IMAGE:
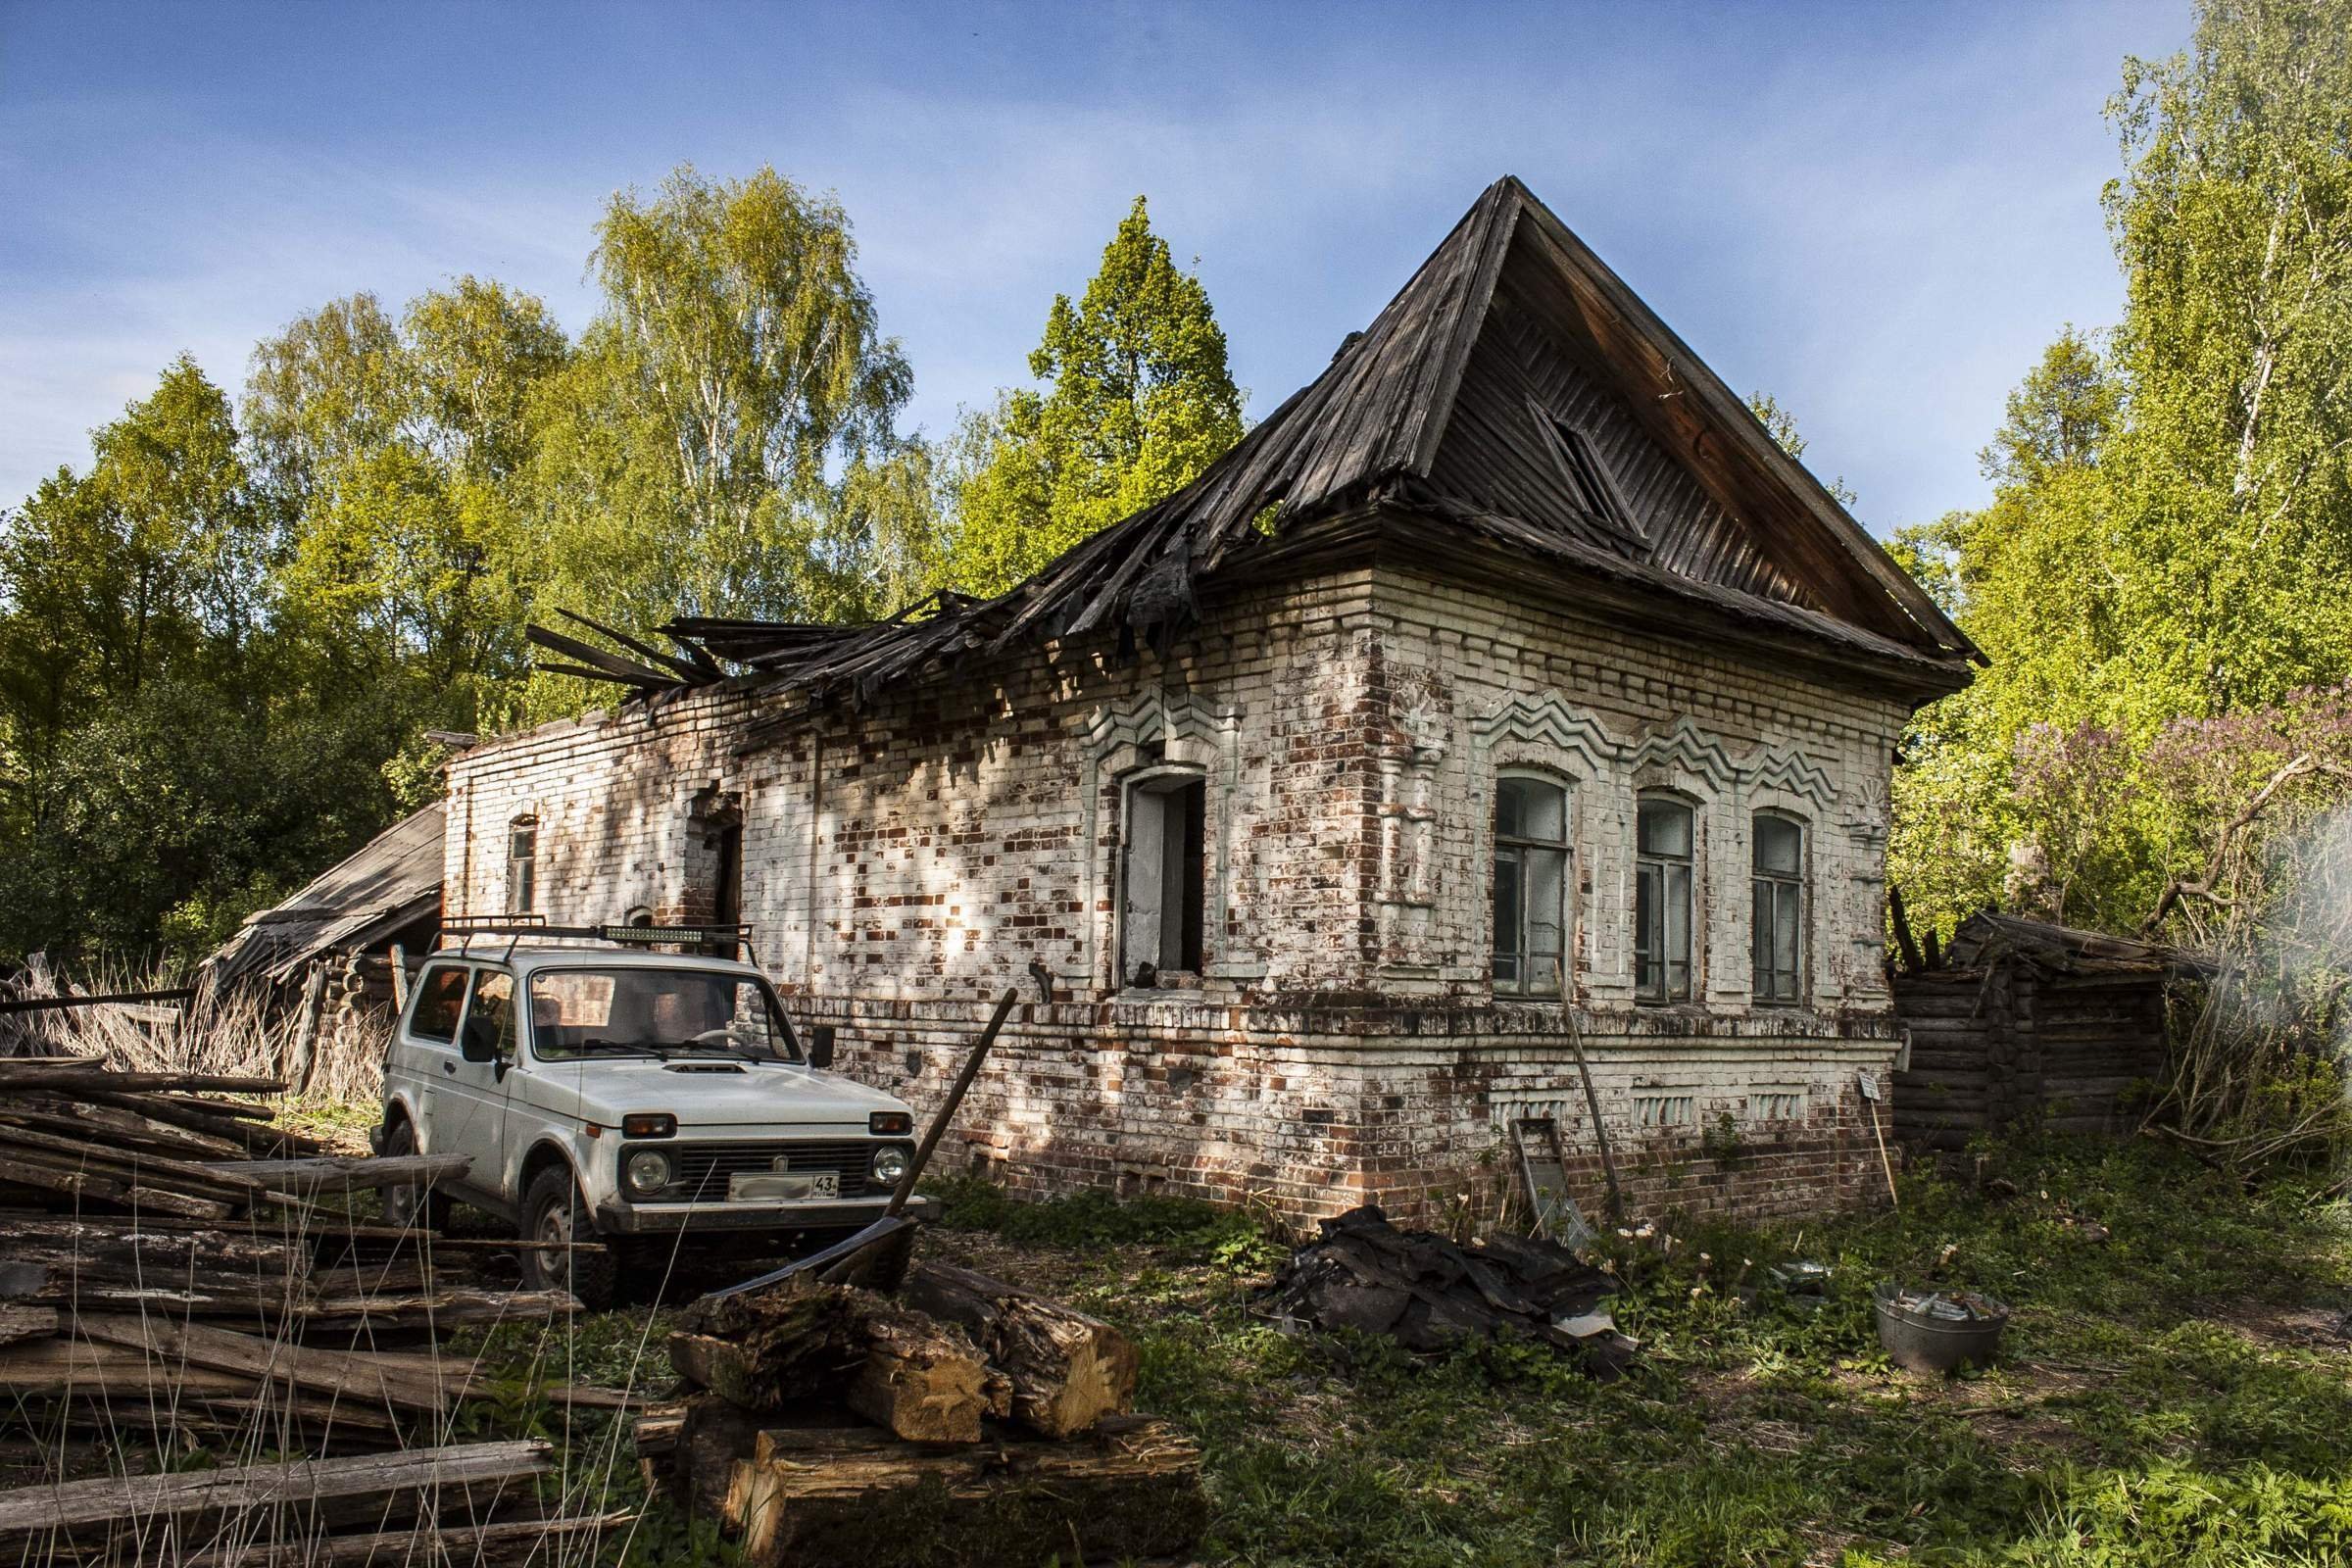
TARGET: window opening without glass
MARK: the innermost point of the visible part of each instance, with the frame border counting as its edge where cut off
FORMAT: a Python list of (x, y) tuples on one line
[(1165, 876)]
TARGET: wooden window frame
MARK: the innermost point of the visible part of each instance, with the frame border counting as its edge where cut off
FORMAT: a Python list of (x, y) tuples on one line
[(1654, 881), (1766, 908), (1519, 851)]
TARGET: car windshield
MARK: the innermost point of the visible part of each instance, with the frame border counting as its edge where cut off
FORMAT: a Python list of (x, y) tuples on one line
[(578, 1013)]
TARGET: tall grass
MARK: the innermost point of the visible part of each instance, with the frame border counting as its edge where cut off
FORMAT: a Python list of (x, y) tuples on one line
[(247, 1032)]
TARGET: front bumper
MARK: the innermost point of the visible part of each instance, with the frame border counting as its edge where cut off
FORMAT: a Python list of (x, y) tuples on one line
[(823, 1214)]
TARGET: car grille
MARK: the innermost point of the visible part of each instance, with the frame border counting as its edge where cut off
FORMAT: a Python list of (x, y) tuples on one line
[(704, 1168)]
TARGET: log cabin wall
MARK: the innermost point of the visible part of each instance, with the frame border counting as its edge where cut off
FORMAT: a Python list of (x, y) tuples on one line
[(2014, 1046)]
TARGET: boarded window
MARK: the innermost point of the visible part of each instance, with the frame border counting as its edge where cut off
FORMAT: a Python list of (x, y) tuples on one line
[(1662, 904), (1164, 877), (1776, 942), (1530, 886)]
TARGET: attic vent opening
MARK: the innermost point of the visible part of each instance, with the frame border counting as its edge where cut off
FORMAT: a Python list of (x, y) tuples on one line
[(1589, 477)]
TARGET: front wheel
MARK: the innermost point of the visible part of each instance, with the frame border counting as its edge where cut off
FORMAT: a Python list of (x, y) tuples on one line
[(567, 1258), (414, 1205)]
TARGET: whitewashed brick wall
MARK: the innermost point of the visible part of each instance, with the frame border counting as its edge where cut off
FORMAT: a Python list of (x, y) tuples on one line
[(903, 865)]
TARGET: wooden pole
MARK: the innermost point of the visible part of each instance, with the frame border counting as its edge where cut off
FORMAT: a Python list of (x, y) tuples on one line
[(1600, 1133), (305, 1037), (947, 1110), (1871, 1099), (400, 981)]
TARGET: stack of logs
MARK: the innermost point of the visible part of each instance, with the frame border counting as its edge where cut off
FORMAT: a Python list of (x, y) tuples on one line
[(1000, 1428), (175, 1276)]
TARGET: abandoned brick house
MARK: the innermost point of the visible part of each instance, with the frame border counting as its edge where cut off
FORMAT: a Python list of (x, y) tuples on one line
[(1506, 686)]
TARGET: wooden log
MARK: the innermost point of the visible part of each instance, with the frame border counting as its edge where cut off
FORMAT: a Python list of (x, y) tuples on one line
[(436, 1308), (14, 1076), (69, 1188), (116, 1128), (26, 1323), (343, 1374), (258, 1138), (307, 1178), (1129, 1489), (151, 1516), (431, 1545), (762, 1348), (191, 1177), (1068, 1370), (93, 1262), (925, 1379)]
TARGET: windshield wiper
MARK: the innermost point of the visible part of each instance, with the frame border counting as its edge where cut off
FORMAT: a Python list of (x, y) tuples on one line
[(634, 1047)]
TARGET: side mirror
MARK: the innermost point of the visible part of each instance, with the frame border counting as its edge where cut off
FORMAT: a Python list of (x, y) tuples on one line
[(820, 1046), (480, 1041)]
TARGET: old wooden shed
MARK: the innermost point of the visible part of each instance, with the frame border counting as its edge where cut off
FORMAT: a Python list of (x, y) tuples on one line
[(2028, 1025)]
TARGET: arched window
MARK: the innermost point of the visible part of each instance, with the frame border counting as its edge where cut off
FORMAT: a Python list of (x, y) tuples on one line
[(1776, 942), (1530, 886), (1664, 855)]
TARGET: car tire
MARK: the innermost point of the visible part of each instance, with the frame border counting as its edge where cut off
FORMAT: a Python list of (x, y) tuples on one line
[(552, 1211), (417, 1206)]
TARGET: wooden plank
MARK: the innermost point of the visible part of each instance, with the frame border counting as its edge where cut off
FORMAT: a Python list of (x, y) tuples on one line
[(129, 1506), (518, 1542), (340, 1373), (73, 1080), (309, 1178)]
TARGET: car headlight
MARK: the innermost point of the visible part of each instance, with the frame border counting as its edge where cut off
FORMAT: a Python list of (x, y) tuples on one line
[(647, 1171), (890, 1165)]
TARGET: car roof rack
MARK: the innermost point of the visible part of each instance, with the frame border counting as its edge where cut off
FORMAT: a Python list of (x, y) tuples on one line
[(724, 940)]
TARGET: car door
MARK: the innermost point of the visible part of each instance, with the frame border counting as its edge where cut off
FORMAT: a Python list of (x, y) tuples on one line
[(455, 1093), (485, 1051)]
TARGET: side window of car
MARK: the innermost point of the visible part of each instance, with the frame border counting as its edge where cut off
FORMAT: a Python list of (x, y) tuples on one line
[(440, 998), (490, 1021)]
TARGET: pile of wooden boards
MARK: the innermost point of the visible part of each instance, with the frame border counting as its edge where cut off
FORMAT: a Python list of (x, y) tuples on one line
[(998, 1428), (179, 1276), (1429, 1293)]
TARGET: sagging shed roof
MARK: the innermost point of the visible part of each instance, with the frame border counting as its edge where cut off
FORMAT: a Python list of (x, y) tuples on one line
[(392, 881), (1515, 390)]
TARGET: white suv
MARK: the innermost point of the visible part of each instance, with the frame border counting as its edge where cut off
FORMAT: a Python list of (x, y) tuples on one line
[(638, 1098)]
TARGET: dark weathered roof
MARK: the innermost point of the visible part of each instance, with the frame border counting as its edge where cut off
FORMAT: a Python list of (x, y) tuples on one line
[(1990, 938), (393, 881), (1512, 362)]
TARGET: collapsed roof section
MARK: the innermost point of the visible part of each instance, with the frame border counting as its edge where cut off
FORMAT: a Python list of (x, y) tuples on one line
[(392, 882), (1515, 392)]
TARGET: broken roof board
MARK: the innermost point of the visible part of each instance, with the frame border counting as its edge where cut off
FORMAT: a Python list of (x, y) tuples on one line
[(1749, 526), (392, 881)]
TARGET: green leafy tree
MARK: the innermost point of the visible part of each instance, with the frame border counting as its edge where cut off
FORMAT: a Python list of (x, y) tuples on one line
[(1780, 425), (725, 442), (1139, 402), (2171, 520)]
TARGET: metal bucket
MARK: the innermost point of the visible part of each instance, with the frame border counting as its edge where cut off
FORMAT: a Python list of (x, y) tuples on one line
[(1924, 1342)]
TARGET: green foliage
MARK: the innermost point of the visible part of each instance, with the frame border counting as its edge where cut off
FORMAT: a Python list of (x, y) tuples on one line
[(1139, 402), (1780, 425), (221, 646), (2171, 520), (2137, 1416)]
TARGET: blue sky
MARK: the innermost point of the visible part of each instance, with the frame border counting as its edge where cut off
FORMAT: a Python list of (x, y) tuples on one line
[(1879, 213)]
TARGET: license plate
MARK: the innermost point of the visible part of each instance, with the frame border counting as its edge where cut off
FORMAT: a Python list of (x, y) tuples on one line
[(783, 1187)]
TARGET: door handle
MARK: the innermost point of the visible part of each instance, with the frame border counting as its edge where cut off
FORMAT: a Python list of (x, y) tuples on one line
[(450, 1067)]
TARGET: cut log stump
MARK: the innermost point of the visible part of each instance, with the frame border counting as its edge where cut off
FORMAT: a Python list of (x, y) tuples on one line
[(1068, 1370), (858, 1498)]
